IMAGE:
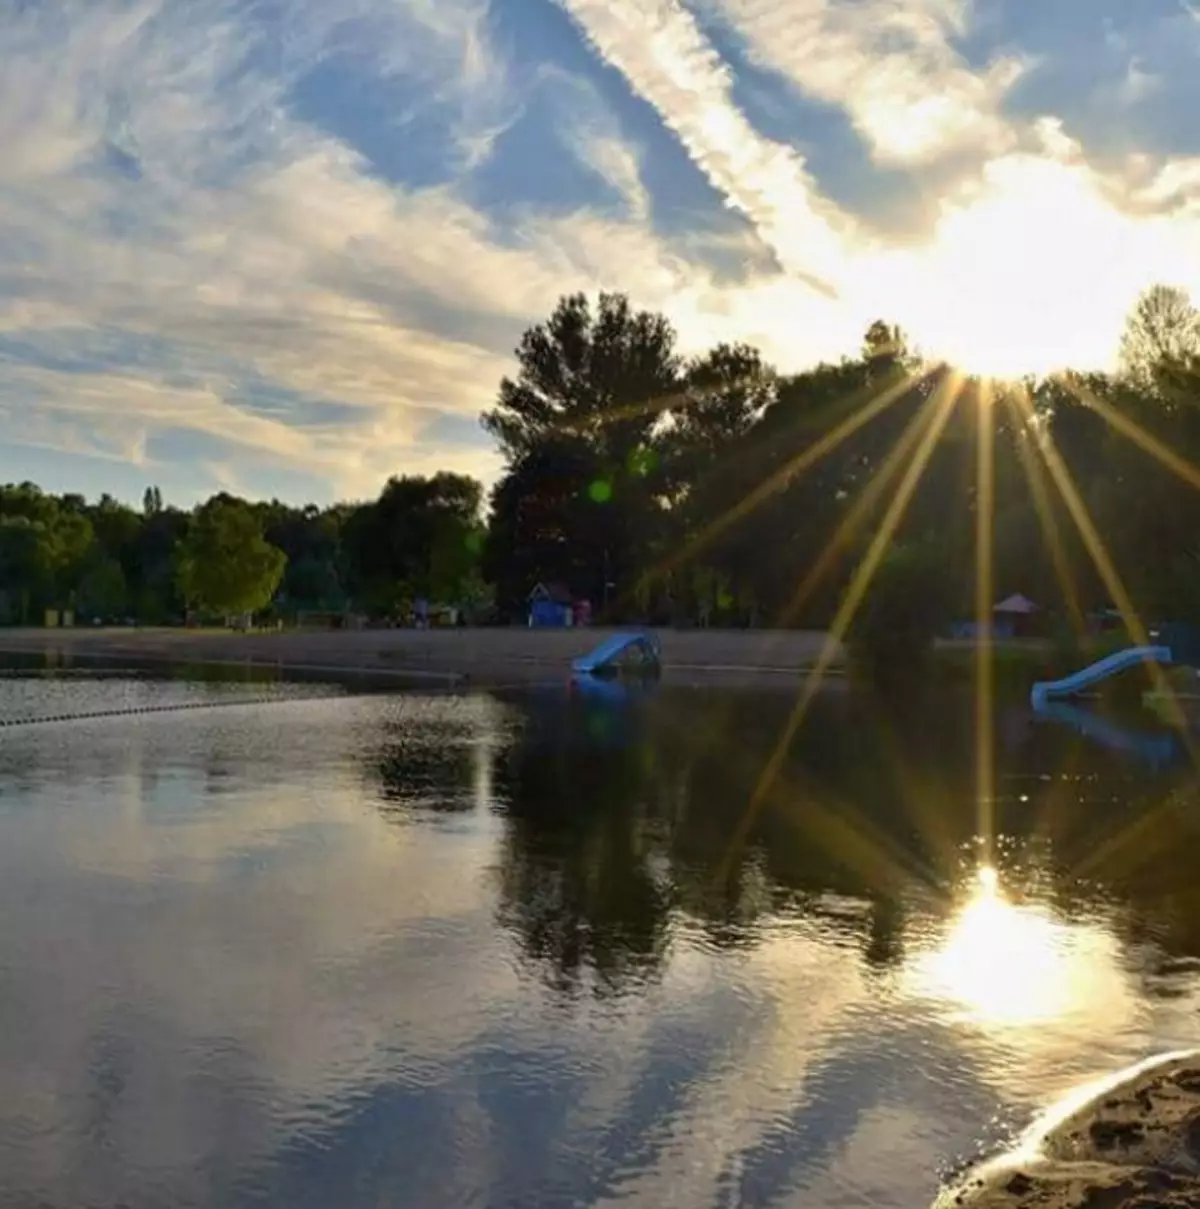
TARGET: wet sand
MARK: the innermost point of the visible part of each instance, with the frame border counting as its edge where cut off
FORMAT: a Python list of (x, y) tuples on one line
[(1129, 1141), (483, 656)]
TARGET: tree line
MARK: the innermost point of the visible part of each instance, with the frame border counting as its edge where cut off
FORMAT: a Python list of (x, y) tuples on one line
[(676, 489), (422, 537), (715, 487)]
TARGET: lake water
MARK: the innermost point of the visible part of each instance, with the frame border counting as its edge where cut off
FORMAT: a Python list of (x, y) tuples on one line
[(529, 949)]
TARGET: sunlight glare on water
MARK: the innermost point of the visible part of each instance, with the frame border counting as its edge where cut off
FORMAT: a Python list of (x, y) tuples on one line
[(1012, 965)]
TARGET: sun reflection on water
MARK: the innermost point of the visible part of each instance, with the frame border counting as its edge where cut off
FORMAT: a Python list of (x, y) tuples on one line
[(1007, 964)]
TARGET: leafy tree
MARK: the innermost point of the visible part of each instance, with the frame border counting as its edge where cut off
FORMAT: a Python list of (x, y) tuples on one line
[(1161, 339), (225, 565), (663, 486), (55, 538), (594, 387), (782, 547), (605, 377), (727, 392), (25, 562), (70, 540), (911, 597), (150, 567), (885, 348), (420, 538), (310, 537), (543, 525), (103, 592)]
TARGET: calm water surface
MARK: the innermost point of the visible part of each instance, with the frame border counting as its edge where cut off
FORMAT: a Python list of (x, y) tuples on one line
[(531, 950)]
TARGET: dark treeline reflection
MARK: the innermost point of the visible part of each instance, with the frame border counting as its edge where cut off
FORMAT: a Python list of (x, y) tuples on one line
[(626, 818)]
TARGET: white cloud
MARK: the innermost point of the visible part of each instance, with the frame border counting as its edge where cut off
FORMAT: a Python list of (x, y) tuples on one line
[(661, 50), (246, 241), (115, 415), (892, 67), (1034, 267), (1054, 140), (171, 227), (1175, 184), (158, 186), (585, 124), (1138, 83), (1032, 260)]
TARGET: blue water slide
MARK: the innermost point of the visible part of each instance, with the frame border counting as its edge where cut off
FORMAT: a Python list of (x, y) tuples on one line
[(1156, 750), (1048, 690), (605, 656)]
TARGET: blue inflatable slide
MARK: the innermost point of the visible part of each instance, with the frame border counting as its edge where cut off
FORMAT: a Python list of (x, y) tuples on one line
[(639, 648), (1102, 669)]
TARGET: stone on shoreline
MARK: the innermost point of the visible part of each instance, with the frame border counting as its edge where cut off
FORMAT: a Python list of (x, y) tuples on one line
[(1131, 1141)]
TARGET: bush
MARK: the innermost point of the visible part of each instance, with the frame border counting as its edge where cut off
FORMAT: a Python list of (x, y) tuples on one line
[(910, 600), (1066, 653)]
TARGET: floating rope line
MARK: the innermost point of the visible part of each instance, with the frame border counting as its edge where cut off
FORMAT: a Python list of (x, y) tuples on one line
[(175, 707)]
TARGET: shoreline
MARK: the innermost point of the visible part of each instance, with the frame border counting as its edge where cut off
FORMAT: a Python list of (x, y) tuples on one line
[(480, 658)]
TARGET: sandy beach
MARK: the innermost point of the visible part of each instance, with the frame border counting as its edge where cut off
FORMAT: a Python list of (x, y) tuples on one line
[(482, 656)]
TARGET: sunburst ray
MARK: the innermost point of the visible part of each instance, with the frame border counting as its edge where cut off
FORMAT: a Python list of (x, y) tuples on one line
[(985, 517), (1102, 560), (1146, 442), (1035, 477), (791, 469), (863, 506), (946, 395)]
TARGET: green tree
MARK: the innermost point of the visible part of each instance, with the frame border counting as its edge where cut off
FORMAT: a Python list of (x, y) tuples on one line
[(419, 538), (224, 565), (103, 592), (1162, 339), (71, 541), (606, 376), (726, 393), (150, 566), (544, 525), (911, 597), (789, 505), (593, 389), (25, 567), (59, 529), (310, 537)]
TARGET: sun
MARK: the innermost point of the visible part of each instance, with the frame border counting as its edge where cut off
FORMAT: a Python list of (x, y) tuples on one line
[(1031, 271)]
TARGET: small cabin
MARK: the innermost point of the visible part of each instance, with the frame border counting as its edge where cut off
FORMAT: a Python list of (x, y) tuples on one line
[(1016, 617), (551, 605)]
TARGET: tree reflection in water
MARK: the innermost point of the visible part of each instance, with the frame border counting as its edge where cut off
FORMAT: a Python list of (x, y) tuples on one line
[(624, 824), (581, 877), (427, 756)]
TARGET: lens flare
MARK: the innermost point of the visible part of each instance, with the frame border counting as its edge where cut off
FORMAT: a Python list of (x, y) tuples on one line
[(1005, 965)]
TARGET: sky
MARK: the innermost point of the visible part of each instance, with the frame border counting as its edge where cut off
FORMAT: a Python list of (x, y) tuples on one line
[(286, 247)]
